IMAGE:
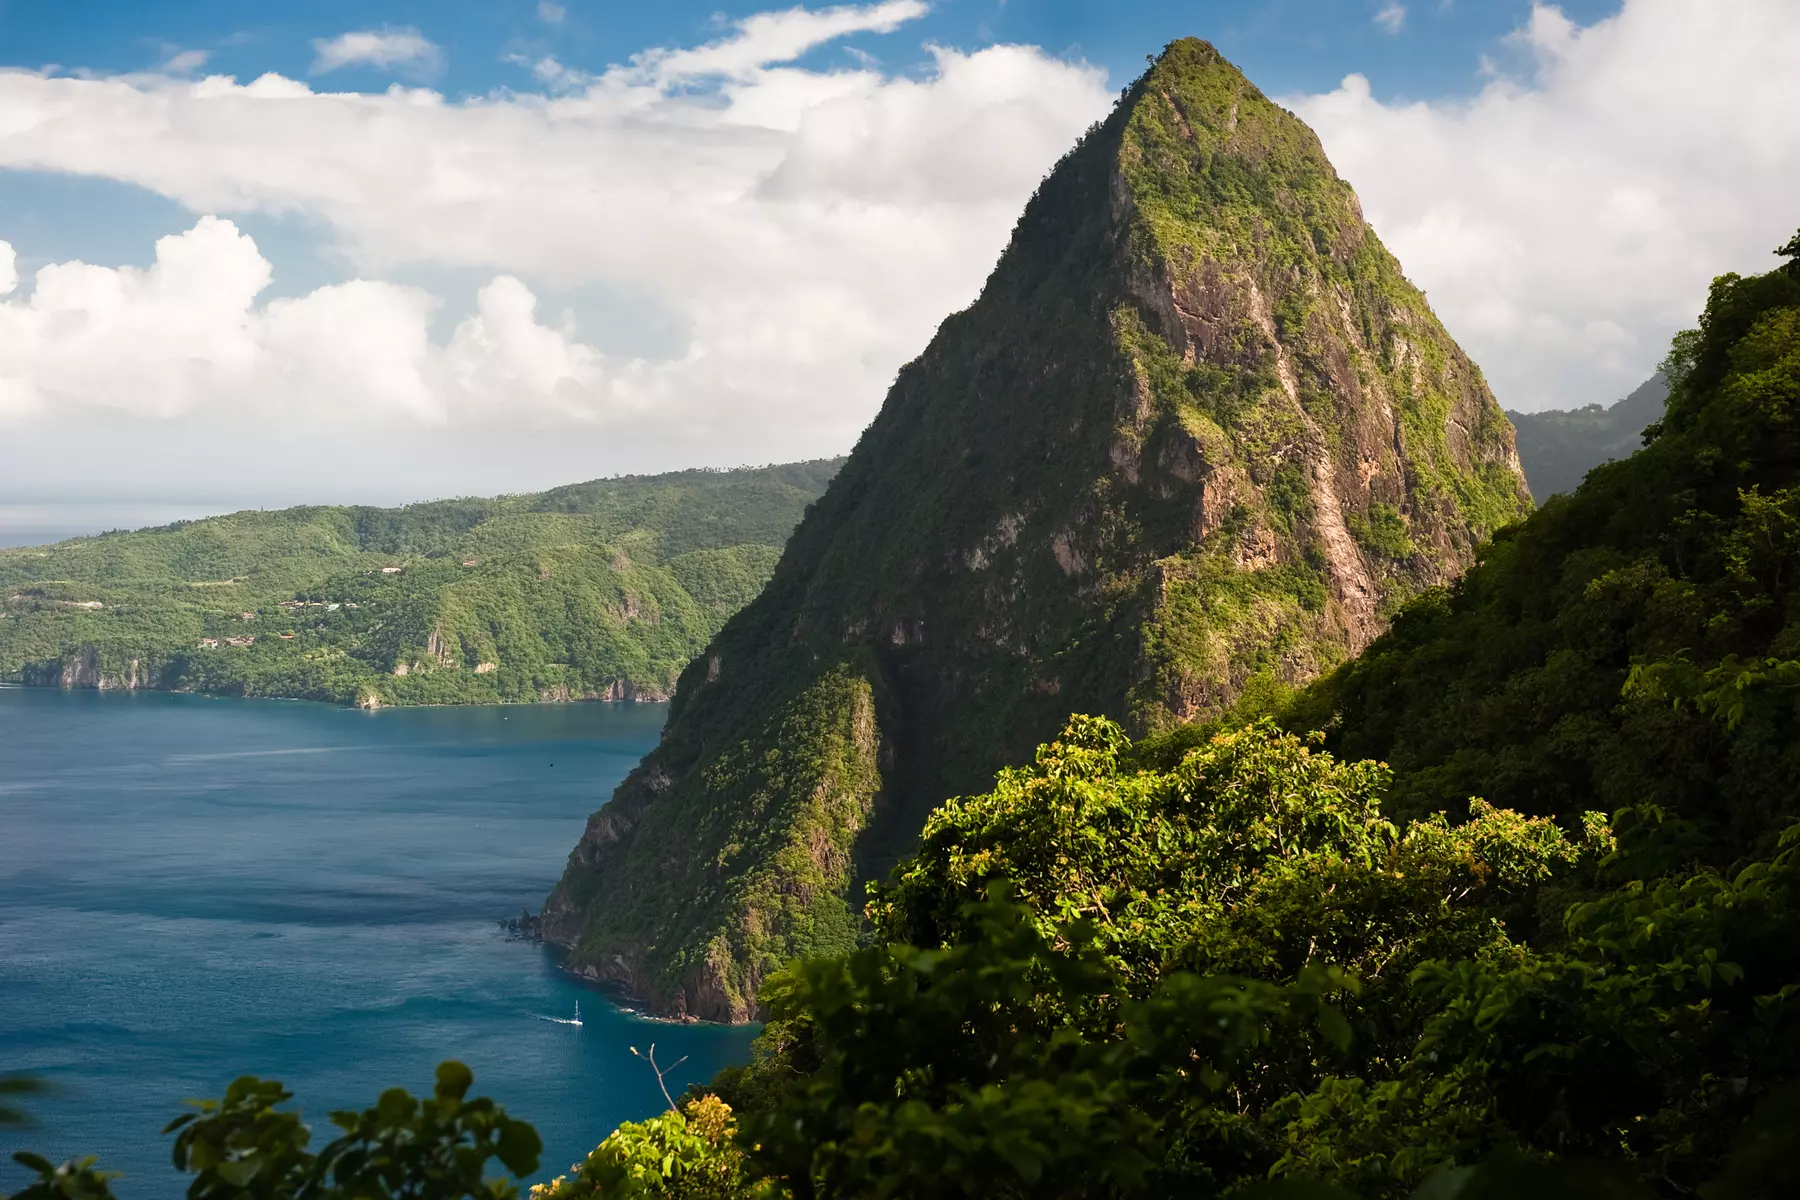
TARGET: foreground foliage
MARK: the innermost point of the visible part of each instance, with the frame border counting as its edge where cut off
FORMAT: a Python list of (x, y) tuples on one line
[(244, 1147), (1111, 981)]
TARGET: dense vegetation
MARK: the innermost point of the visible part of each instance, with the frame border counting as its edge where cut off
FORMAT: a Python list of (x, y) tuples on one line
[(601, 589), (246, 1147), (1196, 431), (1558, 447), (1634, 642)]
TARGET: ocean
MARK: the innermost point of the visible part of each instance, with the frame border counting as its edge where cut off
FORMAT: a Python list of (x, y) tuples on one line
[(194, 888)]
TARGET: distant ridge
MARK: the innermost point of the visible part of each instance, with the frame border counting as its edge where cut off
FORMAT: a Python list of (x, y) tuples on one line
[(1198, 431), (604, 589), (1560, 446)]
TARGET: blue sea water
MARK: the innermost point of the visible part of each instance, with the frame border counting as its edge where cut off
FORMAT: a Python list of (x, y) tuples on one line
[(196, 888)]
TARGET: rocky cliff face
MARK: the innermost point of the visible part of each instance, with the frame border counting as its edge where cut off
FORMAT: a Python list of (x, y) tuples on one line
[(89, 667), (1197, 429)]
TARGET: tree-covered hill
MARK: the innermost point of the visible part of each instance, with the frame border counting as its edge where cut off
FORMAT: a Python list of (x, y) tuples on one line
[(1632, 642), (1197, 429), (599, 589), (1560, 446)]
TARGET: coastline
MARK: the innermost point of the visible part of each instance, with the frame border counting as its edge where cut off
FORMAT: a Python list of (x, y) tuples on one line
[(354, 705)]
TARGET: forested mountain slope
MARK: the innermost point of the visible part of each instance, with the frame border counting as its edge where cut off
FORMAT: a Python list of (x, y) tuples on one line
[(1586, 661), (1197, 430), (1560, 446), (603, 589)]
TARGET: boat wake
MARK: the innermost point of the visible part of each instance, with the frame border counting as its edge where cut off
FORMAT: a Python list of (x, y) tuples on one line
[(574, 1020)]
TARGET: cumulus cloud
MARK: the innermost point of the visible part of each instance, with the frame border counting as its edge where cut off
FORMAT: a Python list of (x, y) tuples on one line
[(806, 229), (1566, 220), (407, 48), (186, 336)]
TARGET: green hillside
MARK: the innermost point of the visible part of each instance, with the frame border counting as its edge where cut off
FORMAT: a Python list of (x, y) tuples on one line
[(1586, 661), (1197, 432), (597, 590)]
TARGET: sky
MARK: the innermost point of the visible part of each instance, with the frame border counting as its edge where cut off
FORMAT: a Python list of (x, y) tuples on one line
[(376, 252)]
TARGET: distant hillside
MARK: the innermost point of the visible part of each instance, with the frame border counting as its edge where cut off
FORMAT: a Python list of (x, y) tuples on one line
[(1557, 448), (596, 590)]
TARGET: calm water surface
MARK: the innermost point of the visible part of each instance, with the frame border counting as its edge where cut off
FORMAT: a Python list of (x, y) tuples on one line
[(194, 888)]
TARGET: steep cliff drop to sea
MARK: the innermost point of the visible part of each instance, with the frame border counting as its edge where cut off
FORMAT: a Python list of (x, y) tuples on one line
[(1198, 430)]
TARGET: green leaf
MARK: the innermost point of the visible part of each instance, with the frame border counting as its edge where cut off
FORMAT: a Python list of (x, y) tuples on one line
[(453, 1080)]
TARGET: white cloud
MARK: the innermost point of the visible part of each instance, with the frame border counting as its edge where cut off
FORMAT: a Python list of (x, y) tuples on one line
[(1392, 16), (187, 337), (183, 62), (807, 229), (551, 14), (775, 37), (1565, 223), (405, 48)]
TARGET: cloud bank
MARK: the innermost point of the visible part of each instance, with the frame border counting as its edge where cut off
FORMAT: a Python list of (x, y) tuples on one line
[(808, 228)]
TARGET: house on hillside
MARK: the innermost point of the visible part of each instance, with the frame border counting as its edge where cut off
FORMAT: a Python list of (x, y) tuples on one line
[(390, 570), (209, 643)]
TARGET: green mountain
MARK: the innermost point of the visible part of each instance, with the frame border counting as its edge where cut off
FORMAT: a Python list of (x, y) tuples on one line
[(1560, 446), (1633, 642), (1197, 432), (596, 590)]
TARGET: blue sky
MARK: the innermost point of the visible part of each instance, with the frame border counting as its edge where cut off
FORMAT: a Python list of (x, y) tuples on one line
[(1287, 46), (459, 247)]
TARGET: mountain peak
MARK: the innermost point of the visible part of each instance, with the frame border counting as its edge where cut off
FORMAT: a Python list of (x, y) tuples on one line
[(1197, 431)]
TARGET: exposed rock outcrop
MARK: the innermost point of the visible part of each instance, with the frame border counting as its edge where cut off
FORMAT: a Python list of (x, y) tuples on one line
[(88, 667)]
